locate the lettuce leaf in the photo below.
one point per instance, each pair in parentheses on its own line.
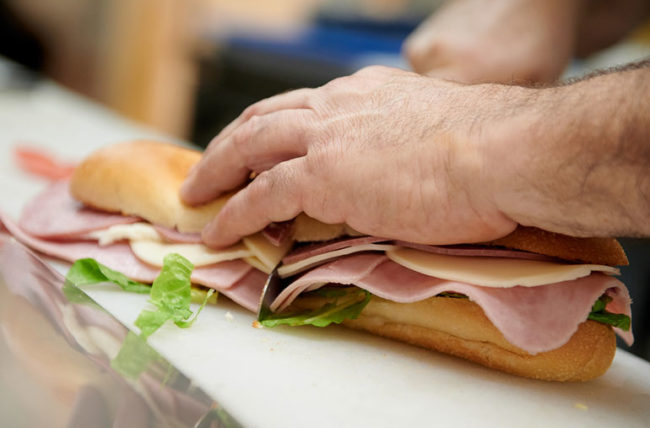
(90,271)
(598,313)
(171,294)
(348,304)
(134,357)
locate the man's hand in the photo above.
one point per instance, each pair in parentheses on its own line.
(497,41)
(388,152)
(399,155)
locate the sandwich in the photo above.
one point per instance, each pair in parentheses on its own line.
(534,303)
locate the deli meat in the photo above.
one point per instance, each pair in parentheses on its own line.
(535,319)
(328,250)
(475,251)
(247,291)
(54,214)
(173,235)
(120,257)
(278,233)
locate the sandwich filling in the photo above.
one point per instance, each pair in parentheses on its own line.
(535,301)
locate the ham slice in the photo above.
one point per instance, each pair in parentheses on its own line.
(308,251)
(247,291)
(54,214)
(528,317)
(308,256)
(55,224)
(42,164)
(120,257)
(475,251)
(278,233)
(173,235)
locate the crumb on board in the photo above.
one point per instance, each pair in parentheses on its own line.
(581,406)
(229,316)
(257,324)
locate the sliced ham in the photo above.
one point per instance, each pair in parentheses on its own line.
(54,214)
(475,251)
(120,257)
(173,235)
(247,291)
(278,233)
(528,317)
(308,256)
(307,251)
(40,163)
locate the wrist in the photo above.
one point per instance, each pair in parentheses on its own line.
(574,159)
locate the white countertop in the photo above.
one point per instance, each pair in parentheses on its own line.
(310,376)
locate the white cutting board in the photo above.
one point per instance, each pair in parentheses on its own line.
(310,376)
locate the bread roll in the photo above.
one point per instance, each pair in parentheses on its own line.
(142,178)
(459,327)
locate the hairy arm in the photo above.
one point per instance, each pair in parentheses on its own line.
(399,155)
(584,170)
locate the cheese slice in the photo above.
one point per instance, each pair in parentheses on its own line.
(492,271)
(153,252)
(297,267)
(266,253)
(150,247)
(257,264)
(122,232)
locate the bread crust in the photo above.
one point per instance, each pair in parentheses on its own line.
(143,178)
(459,327)
(602,251)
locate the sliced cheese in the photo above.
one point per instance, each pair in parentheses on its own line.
(123,232)
(266,253)
(491,271)
(257,264)
(294,268)
(153,252)
(150,247)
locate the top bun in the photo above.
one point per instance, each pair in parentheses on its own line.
(143,178)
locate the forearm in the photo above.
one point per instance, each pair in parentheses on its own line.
(580,161)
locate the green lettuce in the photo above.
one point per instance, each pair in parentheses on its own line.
(134,357)
(347,304)
(598,313)
(90,271)
(171,292)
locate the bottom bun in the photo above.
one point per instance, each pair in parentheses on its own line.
(459,327)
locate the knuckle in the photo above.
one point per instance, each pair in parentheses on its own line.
(374,71)
(339,82)
(246,132)
(251,110)
(261,186)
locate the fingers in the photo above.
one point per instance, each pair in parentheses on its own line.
(298,99)
(274,195)
(256,145)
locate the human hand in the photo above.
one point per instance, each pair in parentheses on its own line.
(388,152)
(503,41)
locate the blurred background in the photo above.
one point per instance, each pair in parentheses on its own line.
(188,67)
